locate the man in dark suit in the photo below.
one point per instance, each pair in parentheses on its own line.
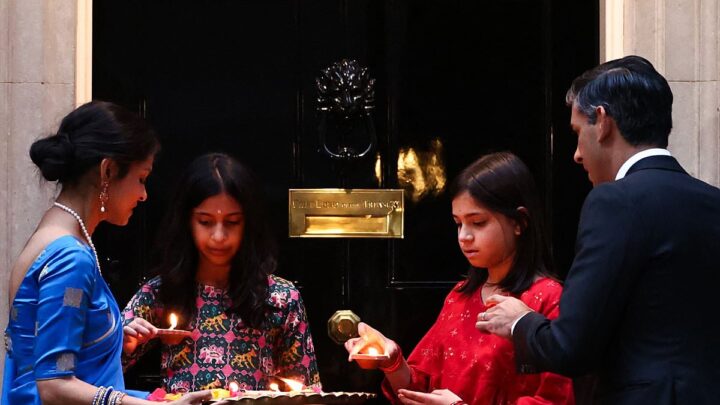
(640,300)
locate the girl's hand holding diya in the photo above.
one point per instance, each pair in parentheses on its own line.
(372,349)
(139,331)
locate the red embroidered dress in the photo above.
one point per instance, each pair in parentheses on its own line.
(223,349)
(480,367)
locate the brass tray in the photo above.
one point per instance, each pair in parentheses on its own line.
(289,398)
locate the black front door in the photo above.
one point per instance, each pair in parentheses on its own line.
(454,79)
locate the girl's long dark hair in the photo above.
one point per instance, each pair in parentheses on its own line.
(207,176)
(502,183)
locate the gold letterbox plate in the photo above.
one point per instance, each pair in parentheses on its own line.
(346,213)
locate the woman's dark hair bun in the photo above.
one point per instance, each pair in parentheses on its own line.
(92,132)
(54,156)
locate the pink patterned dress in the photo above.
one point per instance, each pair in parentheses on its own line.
(223,349)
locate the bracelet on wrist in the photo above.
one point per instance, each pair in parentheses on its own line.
(108,396)
(98,395)
(116,398)
(395,366)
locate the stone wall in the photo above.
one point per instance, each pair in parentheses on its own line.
(37,84)
(680,37)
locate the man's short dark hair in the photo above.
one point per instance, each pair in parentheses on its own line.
(633,93)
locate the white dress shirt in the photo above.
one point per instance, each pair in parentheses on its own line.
(636,157)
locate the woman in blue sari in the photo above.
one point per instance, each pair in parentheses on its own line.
(64,336)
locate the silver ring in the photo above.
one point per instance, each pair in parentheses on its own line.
(483,316)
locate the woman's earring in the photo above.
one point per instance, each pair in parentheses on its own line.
(104,195)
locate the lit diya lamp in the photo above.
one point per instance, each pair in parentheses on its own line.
(292,385)
(290,388)
(369,356)
(172,336)
(234,388)
(295,386)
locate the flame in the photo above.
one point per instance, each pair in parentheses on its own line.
(233,387)
(274,387)
(294,385)
(373,351)
(173,321)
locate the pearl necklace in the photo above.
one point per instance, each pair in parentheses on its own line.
(82,226)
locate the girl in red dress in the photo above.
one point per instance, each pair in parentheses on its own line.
(500,232)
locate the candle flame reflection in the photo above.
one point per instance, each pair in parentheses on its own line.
(274,387)
(173,321)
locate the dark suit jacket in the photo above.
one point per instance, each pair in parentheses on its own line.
(640,303)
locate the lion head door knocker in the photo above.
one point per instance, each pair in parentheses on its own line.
(346,97)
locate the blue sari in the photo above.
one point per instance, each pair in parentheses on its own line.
(64,322)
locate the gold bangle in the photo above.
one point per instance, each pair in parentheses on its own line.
(116,398)
(99,394)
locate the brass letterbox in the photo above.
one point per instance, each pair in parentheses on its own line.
(346,213)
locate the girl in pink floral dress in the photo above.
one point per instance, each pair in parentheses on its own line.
(248,325)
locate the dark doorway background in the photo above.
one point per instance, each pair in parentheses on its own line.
(456,77)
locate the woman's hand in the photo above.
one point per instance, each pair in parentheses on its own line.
(437,397)
(370,337)
(137,332)
(195,398)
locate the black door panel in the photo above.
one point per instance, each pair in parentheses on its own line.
(454,79)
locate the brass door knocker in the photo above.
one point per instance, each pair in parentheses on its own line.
(346,97)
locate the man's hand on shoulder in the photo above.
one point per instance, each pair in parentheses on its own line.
(500,317)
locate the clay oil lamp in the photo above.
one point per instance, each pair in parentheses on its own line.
(172,336)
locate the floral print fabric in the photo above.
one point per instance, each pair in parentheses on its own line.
(223,349)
